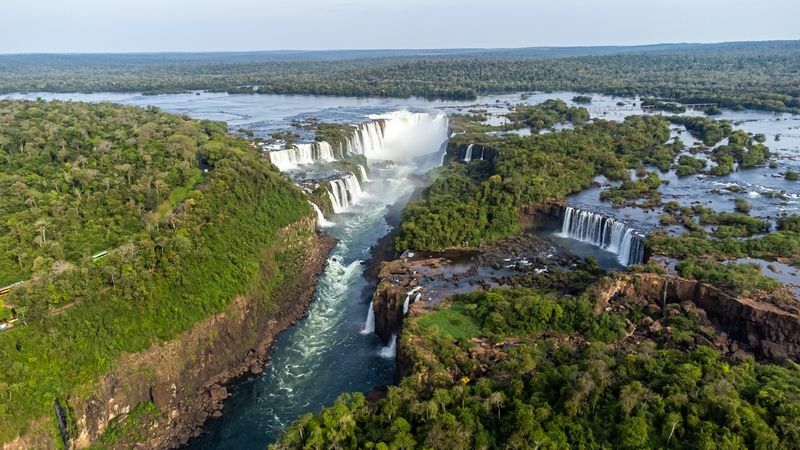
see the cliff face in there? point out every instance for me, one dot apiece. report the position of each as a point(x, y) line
point(457, 151)
point(768, 330)
point(184, 377)
point(388, 306)
point(543, 216)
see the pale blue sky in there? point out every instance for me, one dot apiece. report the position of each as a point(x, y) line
point(216, 25)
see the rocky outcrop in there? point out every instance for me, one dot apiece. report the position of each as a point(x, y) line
point(765, 328)
point(388, 306)
point(184, 378)
point(543, 216)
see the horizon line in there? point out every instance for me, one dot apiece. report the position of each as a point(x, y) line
point(386, 49)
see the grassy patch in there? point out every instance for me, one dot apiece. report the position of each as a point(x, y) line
point(452, 321)
point(177, 195)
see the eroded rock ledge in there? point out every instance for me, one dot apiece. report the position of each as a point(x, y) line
point(763, 328)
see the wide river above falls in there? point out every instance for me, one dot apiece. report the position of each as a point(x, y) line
point(325, 354)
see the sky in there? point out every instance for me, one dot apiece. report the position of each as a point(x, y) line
point(44, 26)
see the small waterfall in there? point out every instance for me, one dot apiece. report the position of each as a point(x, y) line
point(390, 351)
point(321, 221)
point(604, 232)
point(364, 176)
point(369, 324)
point(302, 154)
point(344, 192)
point(408, 299)
point(468, 154)
point(474, 154)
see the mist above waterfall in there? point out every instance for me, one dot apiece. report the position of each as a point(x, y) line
point(399, 136)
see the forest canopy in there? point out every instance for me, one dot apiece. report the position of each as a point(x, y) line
point(185, 210)
point(756, 75)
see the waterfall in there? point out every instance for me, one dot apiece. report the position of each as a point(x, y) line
point(408, 299)
point(468, 154)
point(369, 325)
point(302, 154)
point(344, 192)
point(321, 221)
point(400, 135)
point(364, 176)
point(390, 350)
point(472, 154)
point(604, 232)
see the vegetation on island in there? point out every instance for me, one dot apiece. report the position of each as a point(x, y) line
point(186, 212)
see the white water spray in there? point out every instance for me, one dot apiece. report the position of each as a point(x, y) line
point(398, 136)
point(390, 351)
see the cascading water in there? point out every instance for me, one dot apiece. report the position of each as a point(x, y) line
point(369, 324)
point(397, 136)
point(468, 154)
point(390, 351)
point(302, 154)
point(321, 220)
point(473, 154)
point(408, 299)
point(604, 232)
point(364, 176)
point(344, 192)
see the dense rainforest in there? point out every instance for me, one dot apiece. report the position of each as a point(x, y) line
point(531, 368)
point(185, 211)
point(756, 75)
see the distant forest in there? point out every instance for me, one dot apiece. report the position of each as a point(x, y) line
point(752, 75)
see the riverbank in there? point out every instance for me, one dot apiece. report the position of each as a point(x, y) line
point(158, 398)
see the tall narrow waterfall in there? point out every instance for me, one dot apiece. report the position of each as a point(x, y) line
point(369, 325)
point(604, 232)
point(468, 154)
point(344, 192)
point(472, 153)
point(407, 301)
point(302, 154)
